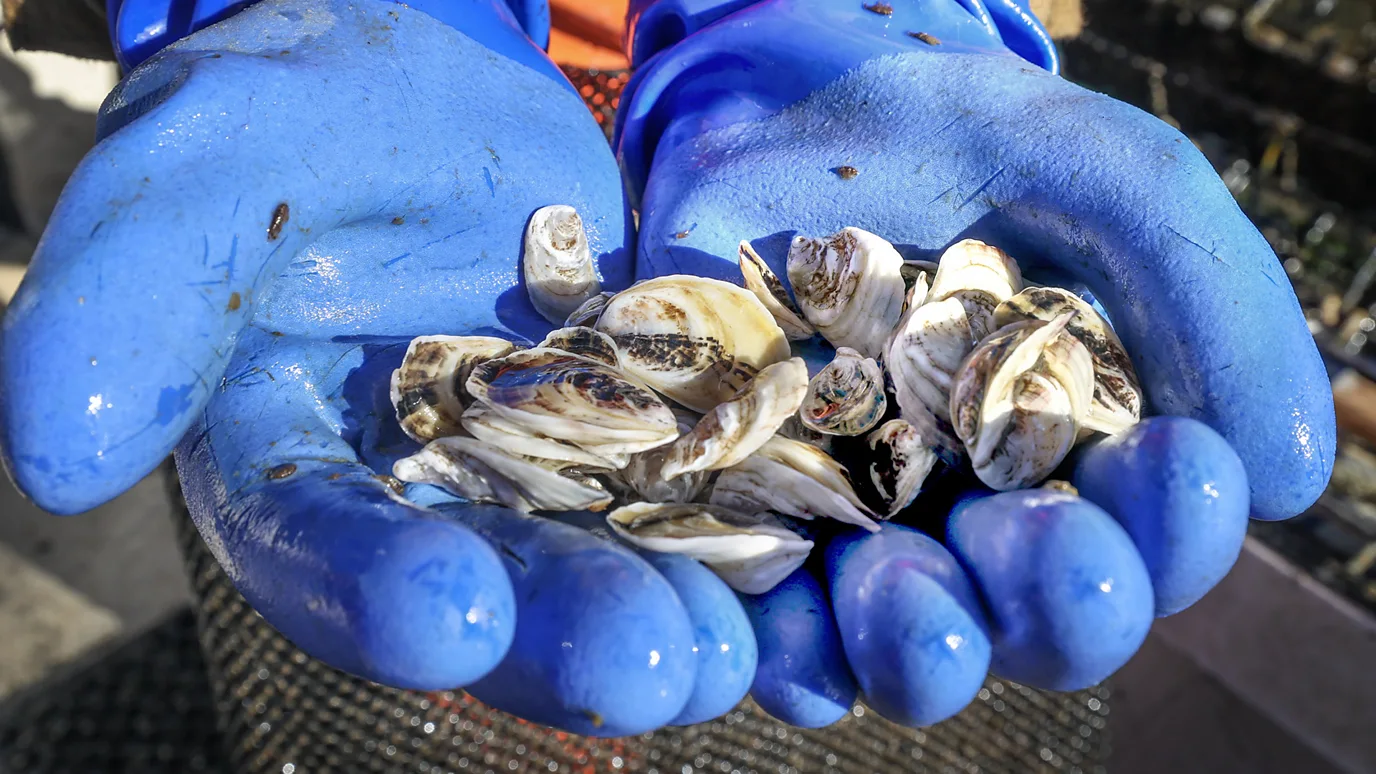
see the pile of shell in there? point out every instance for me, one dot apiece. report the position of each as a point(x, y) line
point(680, 399)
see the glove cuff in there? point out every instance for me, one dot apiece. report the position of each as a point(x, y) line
point(654, 25)
point(141, 28)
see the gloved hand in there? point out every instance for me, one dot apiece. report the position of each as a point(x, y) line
point(951, 114)
point(277, 204)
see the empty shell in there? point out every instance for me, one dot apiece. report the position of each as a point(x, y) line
point(1016, 401)
point(981, 277)
point(847, 397)
point(923, 355)
point(490, 427)
point(762, 281)
point(558, 265)
point(693, 339)
point(567, 397)
point(850, 286)
point(1117, 403)
point(794, 479)
point(479, 472)
point(428, 390)
point(736, 428)
point(642, 477)
point(902, 460)
point(751, 553)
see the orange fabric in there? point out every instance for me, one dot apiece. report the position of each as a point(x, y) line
point(588, 33)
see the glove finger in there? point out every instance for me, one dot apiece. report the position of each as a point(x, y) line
point(723, 640)
point(802, 678)
point(910, 622)
point(727, 654)
point(329, 554)
point(1181, 493)
point(603, 646)
point(1068, 596)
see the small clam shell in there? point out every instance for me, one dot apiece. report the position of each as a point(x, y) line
point(567, 397)
point(922, 357)
point(751, 553)
point(902, 461)
point(558, 265)
point(488, 426)
point(850, 286)
point(1117, 403)
point(584, 342)
point(479, 472)
point(428, 389)
point(761, 281)
point(735, 429)
point(1017, 398)
point(585, 316)
point(642, 477)
point(981, 277)
point(795, 479)
point(847, 397)
point(693, 339)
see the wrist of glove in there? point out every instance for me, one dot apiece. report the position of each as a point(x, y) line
point(141, 28)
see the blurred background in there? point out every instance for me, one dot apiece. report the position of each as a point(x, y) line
point(1272, 672)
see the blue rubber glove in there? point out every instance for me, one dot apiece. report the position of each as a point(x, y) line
point(277, 204)
point(950, 113)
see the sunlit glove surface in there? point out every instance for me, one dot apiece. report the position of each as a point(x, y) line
point(739, 125)
point(277, 204)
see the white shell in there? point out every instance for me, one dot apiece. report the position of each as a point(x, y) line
point(428, 390)
point(1117, 403)
point(981, 277)
point(479, 472)
point(584, 342)
point(558, 265)
point(850, 286)
point(847, 397)
point(751, 553)
point(903, 460)
point(488, 426)
point(794, 479)
point(922, 357)
point(762, 281)
point(567, 397)
point(642, 477)
point(1016, 401)
point(736, 428)
point(694, 339)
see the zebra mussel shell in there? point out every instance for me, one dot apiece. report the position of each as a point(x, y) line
point(696, 340)
point(558, 268)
